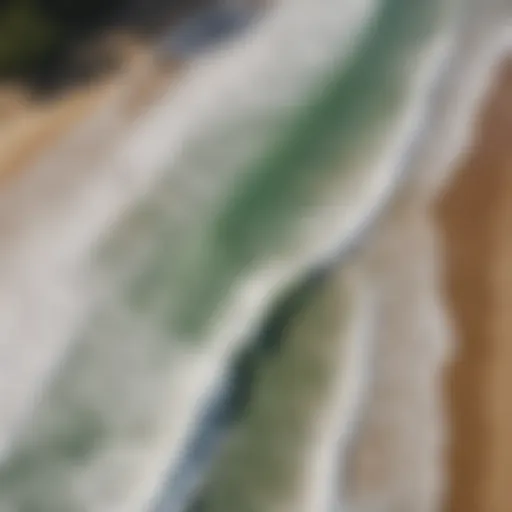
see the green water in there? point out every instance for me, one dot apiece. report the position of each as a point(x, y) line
point(267, 204)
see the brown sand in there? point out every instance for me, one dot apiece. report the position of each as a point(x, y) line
point(27, 129)
point(36, 127)
point(476, 221)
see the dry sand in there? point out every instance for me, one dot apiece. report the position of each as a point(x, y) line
point(476, 221)
point(30, 128)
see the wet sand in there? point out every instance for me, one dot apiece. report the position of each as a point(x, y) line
point(476, 223)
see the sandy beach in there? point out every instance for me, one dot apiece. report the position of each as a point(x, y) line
point(476, 222)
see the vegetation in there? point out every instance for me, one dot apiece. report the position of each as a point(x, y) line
point(27, 36)
point(36, 34)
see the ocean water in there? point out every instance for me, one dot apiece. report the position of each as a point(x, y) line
point(223, 201)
